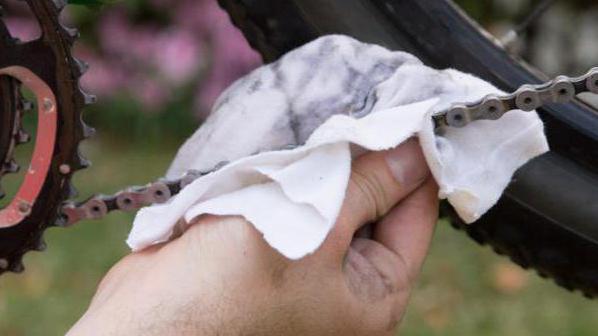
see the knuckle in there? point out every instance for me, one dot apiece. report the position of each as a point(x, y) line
point(371, 192)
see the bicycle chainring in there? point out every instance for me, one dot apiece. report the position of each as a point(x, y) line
point(47, 67)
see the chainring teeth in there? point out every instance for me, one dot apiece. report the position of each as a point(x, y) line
point(60, 40)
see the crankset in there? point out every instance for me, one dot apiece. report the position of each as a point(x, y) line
point(46, 67)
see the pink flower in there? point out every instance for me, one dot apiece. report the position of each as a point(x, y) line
point(177, 55)
point(148, 60)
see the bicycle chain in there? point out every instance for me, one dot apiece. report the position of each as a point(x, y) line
point(129, 199)
point(528, 98)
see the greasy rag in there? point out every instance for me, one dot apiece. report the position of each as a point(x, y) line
point(335, 98)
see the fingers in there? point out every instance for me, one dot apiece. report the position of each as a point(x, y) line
point(408, 228)
point(382, 271)
point(378, 181)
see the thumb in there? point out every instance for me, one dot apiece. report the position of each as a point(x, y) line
point(379, 180)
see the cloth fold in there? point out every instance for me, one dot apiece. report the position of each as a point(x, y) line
point(329, 97)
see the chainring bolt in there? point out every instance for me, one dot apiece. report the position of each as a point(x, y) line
point(24, 207)
point(48, 105)
point(64, 169)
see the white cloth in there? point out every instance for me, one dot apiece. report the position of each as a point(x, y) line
point(325, 96)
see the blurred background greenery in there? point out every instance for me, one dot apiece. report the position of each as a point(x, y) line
point(158, 65)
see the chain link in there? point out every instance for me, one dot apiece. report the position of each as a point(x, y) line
point(129, 199)
point(528, 98)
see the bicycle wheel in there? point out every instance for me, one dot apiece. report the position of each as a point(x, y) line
point(545, 220)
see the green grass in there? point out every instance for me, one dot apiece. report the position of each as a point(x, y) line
point(460, 292)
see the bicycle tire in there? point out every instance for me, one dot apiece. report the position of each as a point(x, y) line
point(545, 219)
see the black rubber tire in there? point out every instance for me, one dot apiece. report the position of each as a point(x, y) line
point(547, 218)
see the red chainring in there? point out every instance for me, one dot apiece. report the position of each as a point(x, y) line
point(46, 66)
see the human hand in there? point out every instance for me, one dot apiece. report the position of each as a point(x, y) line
point(221, 278)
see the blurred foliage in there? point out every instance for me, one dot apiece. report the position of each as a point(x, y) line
point(157, 66)
point(126, 119)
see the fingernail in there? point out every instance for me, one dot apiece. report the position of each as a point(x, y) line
point(407, 163)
